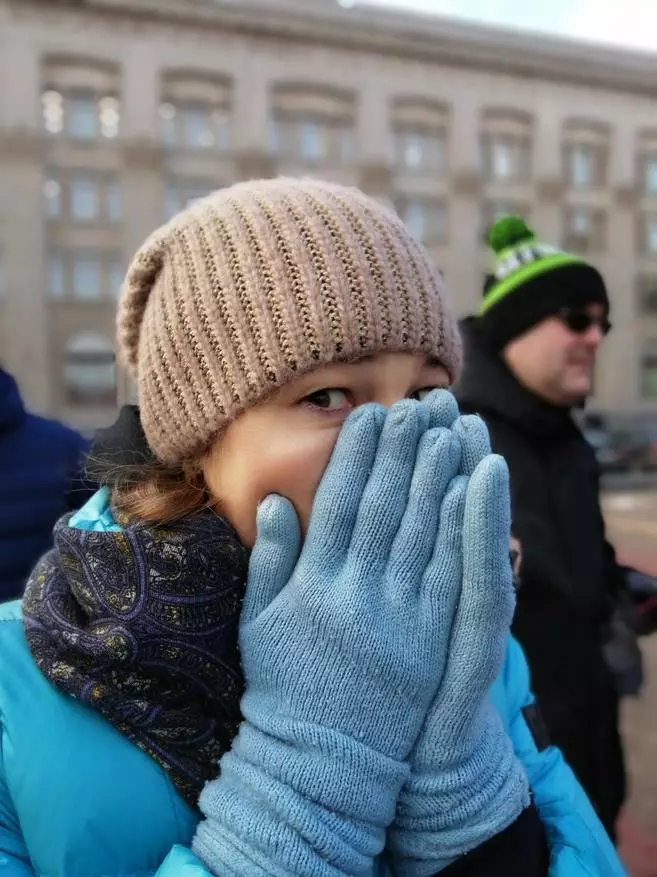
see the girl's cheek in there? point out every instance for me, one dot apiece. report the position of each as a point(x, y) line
point(297, 464)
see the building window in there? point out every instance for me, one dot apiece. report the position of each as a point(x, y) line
point(585, 230)
point(52, 195)
point(194, 126)
point(109, 116)
point(649, 370)
point(84, 275)
point(580, 167)
point(197, 128)
point(650, 234)
point(580, 221)
point(347, 146)
point(168, 124)
point(52, 103)
point(419, 151)
point(585, 154)
point(87, 275)
point(310, 141)
point(83, 199)
point(82, 114)
point(650, 175)
point(90, 372)
point(180, 192)
point(501, 160)
point(425, 219)
point(115, 275)
point(648, 296)
point(312, 126)
point(506, 158)
point(274, 140)
point(55, 275)
point(419, 135)
point(113, 201)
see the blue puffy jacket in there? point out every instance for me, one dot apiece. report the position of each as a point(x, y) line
point(38, 459)
point(78, 799)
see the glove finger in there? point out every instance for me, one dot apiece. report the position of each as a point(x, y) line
point(475, 441)
point(442, 407)
point(483, 618)
point(274, 555)
point(386, 494)
point(437, 463)
point(339, 494)
point(442, 579)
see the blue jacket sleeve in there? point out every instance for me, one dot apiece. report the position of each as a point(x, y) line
point(14, 860)
point(579, 845)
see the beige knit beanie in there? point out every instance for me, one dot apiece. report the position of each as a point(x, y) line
point(260, 283)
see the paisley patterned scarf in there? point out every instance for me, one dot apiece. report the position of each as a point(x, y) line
point(142, 625)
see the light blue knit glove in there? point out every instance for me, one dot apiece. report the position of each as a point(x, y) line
point(466, 784)
point(340, 651)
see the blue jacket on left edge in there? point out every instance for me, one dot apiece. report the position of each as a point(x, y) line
point(78, 799)
point(38, 460)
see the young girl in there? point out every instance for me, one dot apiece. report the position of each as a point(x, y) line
point(286, 337)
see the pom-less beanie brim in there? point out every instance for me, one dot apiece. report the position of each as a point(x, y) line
point(261, 283)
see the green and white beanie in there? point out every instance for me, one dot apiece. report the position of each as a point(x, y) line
point(531, 280)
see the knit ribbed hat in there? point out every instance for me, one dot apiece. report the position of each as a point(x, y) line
point(260, 283)
point(531, 281)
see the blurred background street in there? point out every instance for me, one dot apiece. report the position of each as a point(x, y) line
point(632, 525)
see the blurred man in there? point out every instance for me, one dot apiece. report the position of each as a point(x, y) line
point(38, 459)
point(529, 360)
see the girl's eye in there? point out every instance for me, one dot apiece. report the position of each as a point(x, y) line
point(328, 400)
point(421, 395)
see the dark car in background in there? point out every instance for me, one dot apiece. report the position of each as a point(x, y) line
point(622, 447)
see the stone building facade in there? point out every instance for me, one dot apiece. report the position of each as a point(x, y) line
point(115, 113)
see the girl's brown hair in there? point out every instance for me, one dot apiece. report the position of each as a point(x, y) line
point(151, 492)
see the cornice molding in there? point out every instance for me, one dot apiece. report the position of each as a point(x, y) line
point(380, 31)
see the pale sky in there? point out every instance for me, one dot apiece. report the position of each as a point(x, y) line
point(622, 22)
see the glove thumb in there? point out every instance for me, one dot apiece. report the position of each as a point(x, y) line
point(274, 555)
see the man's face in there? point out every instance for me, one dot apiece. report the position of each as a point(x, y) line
point(556, 358)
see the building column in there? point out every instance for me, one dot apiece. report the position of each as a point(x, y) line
point(619, 361)
point(373, 131)
point(140, 94)
point(547, 216)
point(26, 348)
point(618, 370)
point(20, 105)
point(463, 267)
point(251, 104)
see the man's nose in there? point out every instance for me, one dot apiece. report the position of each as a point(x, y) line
point(593, 336)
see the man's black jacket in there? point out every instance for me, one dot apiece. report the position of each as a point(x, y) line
point(569, 575)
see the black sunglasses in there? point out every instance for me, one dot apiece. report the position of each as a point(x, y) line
point(580, 322)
